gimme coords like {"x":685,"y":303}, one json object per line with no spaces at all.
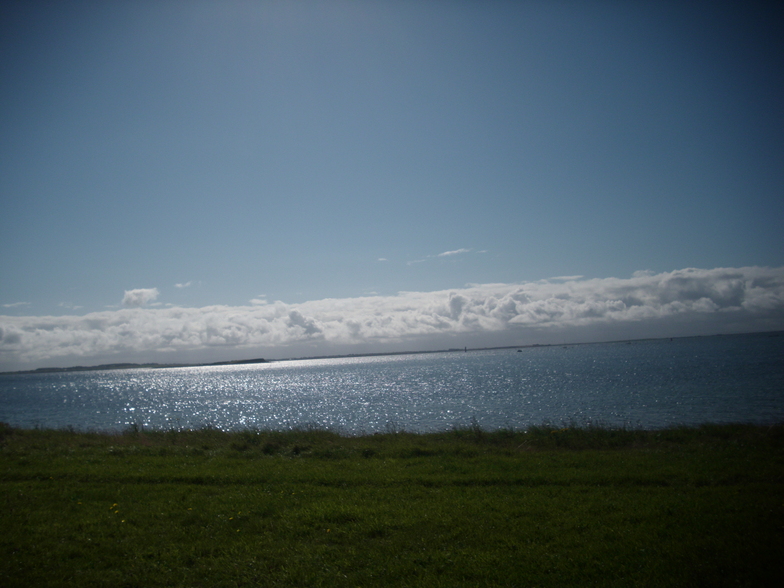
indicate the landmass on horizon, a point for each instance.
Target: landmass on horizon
{"x":128,"y":366}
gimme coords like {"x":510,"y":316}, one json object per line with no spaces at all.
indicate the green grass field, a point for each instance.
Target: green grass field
{"x":548,"y":507}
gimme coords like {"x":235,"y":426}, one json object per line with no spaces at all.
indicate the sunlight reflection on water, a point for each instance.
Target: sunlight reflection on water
{"x":649,"y":384}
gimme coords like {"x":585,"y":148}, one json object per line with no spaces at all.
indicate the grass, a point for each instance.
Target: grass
{"x":548,"y":506}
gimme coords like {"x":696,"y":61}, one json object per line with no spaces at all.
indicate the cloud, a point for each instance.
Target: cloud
{"x":444,"y":254}
{"x":682,"y":302}
{"x":455,"y":252}
{"x":565,"y":278}
{"x":139,"y":297}
{"x":16,"y":304}
{"x":185,"y":285}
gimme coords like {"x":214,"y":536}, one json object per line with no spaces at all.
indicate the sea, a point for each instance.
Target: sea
{"x":649,"y":384}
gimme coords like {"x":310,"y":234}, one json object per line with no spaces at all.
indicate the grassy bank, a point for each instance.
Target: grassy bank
{"x":547,"y":507}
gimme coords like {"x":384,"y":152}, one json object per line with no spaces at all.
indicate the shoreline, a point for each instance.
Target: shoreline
{"x":543,"y":436}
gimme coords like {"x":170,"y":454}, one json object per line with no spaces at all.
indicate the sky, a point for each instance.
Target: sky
{"x":212,"y":180}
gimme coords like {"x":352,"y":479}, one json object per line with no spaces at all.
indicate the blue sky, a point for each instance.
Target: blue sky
{"x":160,"y":159}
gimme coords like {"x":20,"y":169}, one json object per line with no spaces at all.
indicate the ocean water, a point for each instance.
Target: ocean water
{"x":648,"y":384}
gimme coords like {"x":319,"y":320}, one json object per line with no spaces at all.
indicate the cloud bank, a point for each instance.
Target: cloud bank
{"x":682,"y":302}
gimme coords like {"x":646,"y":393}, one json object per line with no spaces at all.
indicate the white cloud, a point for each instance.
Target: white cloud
{"x":139,"y":297}
{"x":566,"y":278}
{"x":185,"y":285}
{"x":16,"y":304}
{"x":444,"y":254}
{"x":455,"y":252}
{"x":682,"y":302}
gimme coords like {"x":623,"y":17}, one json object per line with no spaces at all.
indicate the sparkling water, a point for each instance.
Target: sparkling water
{"x":648,"y":384}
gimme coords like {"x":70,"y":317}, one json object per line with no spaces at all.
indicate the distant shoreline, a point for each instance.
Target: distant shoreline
{"x":131,"y":366}
{"x":128,"y":366}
